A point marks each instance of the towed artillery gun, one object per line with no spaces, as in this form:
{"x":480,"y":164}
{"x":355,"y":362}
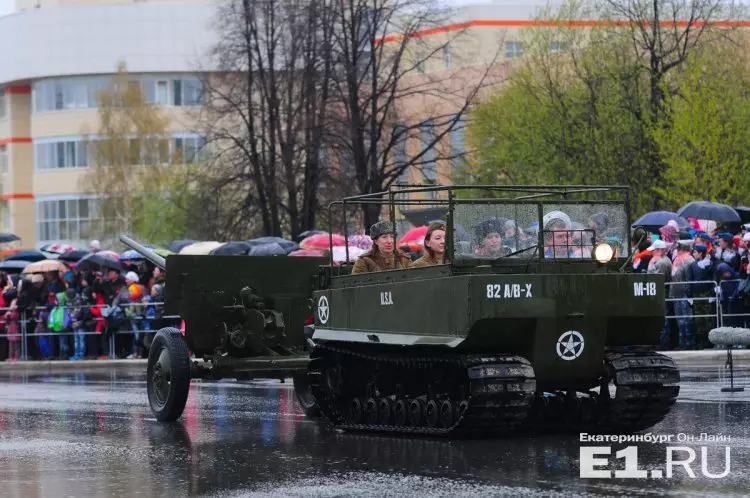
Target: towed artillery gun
{"x":551,"y":332}
{"x":244,"y":318}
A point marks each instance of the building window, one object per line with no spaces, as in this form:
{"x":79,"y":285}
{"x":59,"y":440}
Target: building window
{"x":513,"y":49}
{"x":2,"y":103}
{"x":4,"y":160}
{"x":419,"y":61}
{"x":429,"y":158}
{"x":76,"y":152}
{"x":400,"y":156}
{"x":66,"y":219}
{"x":448,"y":57}
{"x":82,"y":92}
{"x":457,"y":142}
{"x":7,"y":219}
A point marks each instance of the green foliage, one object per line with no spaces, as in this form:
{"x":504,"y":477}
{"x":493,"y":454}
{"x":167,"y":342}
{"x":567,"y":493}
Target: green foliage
{"x":706,"y":143}
{"x":141,"y":190}
{"x":586,"y":116}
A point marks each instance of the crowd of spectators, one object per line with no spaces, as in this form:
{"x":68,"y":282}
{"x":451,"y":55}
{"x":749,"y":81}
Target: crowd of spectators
{"x":707,"y":275}
{"x":76,"y":314}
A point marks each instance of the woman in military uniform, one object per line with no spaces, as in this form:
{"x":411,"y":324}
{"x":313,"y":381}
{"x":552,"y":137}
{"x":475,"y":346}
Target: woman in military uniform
{"x":434,"y":246}
{"x":383,"y":253}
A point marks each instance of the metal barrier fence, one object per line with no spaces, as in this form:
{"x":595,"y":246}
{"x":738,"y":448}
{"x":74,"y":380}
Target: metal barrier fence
{"x":134,"y":324}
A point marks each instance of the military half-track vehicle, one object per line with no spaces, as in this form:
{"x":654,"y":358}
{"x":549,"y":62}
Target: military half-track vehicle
{"x":537,"y":321}
{"x":245,"y":318}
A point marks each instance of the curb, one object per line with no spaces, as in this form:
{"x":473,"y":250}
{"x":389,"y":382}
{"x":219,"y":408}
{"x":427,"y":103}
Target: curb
{"x":73,"y":366}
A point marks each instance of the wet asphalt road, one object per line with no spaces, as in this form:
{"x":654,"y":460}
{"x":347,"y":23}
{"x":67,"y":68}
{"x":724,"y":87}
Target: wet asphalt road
{"x":92,"y":435}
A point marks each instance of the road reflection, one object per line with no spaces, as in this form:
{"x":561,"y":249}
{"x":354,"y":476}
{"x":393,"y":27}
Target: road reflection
{"x":80,"y":434}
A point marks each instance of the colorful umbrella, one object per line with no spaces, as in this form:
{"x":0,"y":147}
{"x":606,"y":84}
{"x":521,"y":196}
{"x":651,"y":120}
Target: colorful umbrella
{"x":339,"y":253}
{"x":361,"y":241}
{"x":57,"y":248}
{"x":45,"y":265}
{"x":415,"y":235}
{"x":654,"y":220}
{"x":322,"y":241}
{"x":163,"y":252}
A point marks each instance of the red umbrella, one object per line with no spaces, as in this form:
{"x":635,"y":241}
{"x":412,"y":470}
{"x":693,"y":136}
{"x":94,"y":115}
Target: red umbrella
{"x":415,"y":235}
{"x":306,"y":252}
{"x":322,"y":241}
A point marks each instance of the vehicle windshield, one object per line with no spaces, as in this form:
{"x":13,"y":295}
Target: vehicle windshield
{"x":569,"y":230}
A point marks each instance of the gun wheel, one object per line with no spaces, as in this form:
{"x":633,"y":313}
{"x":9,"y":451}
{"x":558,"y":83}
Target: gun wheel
{"x":168,"y":375}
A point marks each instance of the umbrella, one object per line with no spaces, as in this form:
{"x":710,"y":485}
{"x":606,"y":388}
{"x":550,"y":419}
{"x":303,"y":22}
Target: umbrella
{"x":98,"y":260}
{"x":73,"y":256}
{"x":27,"y":256}
{"x":45,"y":265}
{"x":8,"y":237}
{"x":744,"y":213}
{"x":9,"y":252}
{"x":714,"y":211}
{"x":14,"y":266}
{"x":272,"y":249}
{"x":309,"y":233}
{"x":176,"y":245}
{"x":200,"y":248}
{"x":130,"y":255}
{"x":163,"y":252}
{"x":361,"y":241}
{"x":656,"y":219}
{"x":57,"y":248}
{"x":109,"y":254}
{"x":288,"y":245}
{"x":339,"y":253}
{"x":307,"y":252}
{"x":232,"y":249}
{"x":322,"y":241}
{"x":416,"y":234}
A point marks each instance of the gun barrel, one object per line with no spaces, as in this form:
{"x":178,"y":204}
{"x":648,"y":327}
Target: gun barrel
{"x":147,"y":253}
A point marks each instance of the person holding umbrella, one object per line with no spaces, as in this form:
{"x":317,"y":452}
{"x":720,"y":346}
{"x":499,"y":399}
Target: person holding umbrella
{"x":383,"y":255}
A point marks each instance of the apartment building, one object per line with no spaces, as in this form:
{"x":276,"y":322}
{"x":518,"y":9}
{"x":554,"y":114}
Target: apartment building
{"x":56,"y":55}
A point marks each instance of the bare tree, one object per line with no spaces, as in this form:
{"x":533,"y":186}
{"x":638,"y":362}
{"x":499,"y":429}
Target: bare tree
{"x":382,"y":95}
{"x":265,"y":111}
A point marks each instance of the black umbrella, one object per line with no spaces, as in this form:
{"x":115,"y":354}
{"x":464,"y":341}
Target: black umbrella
{"x":96,"y":260}
{"x":8,"y":237}
{"x":654,"y":220}
{"x":176,"y":245}
{"x":32,"y":256}
{"x":744,"y":213}
{"x":232,"y":249}
{"x":14,"y":266}
{"x":73,"y":256}
{"x":715,"y":211}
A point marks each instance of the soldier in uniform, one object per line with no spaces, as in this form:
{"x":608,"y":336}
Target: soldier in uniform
{"x":434,"y":246}
{"x":383,"y":253}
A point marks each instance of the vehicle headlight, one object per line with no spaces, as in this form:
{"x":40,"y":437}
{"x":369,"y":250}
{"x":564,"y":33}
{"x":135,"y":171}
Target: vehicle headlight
{"x":603,"y":253}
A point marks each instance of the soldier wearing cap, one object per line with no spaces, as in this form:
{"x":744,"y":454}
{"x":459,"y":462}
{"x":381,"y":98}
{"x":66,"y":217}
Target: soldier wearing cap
{"x":660,"y":264}
{"x":726,"y":251}
{"x":681,"y":293}
{"x":383,"y":253}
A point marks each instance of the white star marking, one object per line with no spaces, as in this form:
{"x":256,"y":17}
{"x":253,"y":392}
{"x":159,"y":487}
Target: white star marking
{"x":323,"y":309}
{"x":570,"y":345}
